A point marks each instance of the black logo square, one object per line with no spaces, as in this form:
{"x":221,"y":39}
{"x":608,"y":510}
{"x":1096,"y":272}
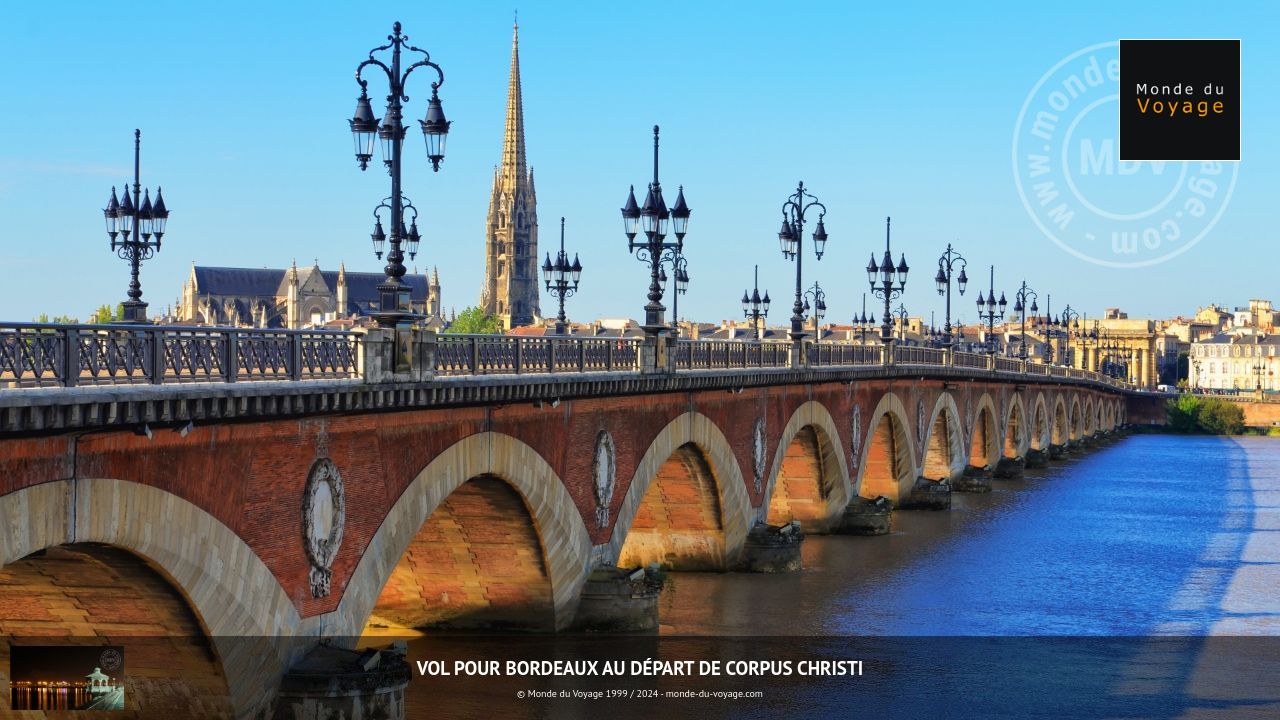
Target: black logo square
{"x":1179,"y":99}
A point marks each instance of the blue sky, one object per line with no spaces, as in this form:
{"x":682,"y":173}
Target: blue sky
{"x":903,"y":109}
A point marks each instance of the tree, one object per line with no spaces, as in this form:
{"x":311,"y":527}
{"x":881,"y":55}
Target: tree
{"x":474,"y":321}
{"x":106,"y":314}
{"x":1221,"y":417}
{"x":44,"y":318}
{"x":1184,"y":413}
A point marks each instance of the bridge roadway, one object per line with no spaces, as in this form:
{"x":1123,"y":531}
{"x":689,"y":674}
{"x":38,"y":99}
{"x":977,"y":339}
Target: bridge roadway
{"x":285,"y":486}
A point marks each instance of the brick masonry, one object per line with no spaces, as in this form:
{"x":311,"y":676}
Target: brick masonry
{"x":248,"y":477}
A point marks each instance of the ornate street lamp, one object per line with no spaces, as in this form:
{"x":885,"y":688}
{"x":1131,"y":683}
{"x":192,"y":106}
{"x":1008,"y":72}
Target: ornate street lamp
{"x":139,"y":224}
{"x":887,"y":282}
{"x":901,"y":316}
{"x":987,"y":311}
{"x":1069,"y":321}
{"x":819,"y":308}
{"x":652,"y":219}
{"x":393,"y":294}
{"x":754,"y":307}
{"x":561,"y":278}
{"x":862,"y":323}
{"x":790,"y":240}
{"x":946,"y":264}
{"x":1021,"y":299}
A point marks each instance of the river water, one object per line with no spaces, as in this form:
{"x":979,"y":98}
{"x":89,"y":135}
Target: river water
{"x":1117,"y":583}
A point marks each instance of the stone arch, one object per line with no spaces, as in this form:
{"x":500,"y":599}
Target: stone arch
{"x":231,"y":592}
{"x":1040,"y":437}
{"x":944,"y":450}
{"x":1090,"y":417}
{"x":1076,"y":419}
{"x":1015,"y":431}
{"x":887,"y":465}
{"x":810,"y":479}
{"x":690,"y":449}
{"x":984,"y":448}
{"x":1060,"y":431}
{"x":560,"y":530}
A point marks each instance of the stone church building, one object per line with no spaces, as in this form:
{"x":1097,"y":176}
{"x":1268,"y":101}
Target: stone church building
{"x":295,"y":297}
{"x":512,"y":286}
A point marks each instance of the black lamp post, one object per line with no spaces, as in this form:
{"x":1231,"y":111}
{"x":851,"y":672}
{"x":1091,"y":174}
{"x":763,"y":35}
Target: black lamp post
{"x":946,"y":264}
{"x":754,"y":307}
{"x":562,"y":278}
{"x":887,"y":282}
{"x":819,"y":307}
{"x":1070,"y":324}
{"x":680,"y":270}
{"x":988,"y":313}
{"x":652,"y":219}
{"x":901,"y":315}
{"x":139,"y":224}
{"x":1021,"y":299}
{"x":789,"y":239}
{"x":393,"y":294}
{"x":862,"y":322}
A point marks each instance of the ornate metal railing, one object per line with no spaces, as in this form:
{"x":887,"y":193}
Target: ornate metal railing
{"x":833,"y":354}
{"x":45,"y":355}
{"x":912,"y":355}
{"x":51,"y":355}
{"x":498,"y":354}
{"x":730,"y":354}
{"x":1005,"y":364}
{"x":970,"y":360}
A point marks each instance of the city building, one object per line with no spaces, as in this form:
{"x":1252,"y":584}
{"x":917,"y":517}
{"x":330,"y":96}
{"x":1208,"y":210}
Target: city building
{"x":511,"y":282}
{"x":1240,"y":360}
{"x":294,"y":297}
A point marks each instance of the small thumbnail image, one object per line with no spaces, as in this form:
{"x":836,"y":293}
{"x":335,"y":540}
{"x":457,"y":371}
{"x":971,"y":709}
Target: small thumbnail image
{"x":66,"y":677}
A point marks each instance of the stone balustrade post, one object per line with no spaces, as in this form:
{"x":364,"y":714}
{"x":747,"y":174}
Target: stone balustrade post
{"x":397,"y":355}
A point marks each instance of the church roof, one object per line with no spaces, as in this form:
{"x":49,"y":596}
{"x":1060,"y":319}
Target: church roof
{"x":242,"y":282}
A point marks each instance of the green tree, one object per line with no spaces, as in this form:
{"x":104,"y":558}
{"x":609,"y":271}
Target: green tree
{"x":1221,"y":417}
{"x":56,"y":319}
{"x":105,"y":314}
{"x":1184,"y":413}
{"x":473,"y":321}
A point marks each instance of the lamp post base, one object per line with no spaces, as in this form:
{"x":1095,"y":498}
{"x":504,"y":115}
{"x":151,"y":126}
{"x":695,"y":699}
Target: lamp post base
{"x":133,"y":311}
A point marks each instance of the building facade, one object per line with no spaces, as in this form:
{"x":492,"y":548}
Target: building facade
{"x":294,"y":297}
{"x":511,"y":289}
{"x":1235,"y":361}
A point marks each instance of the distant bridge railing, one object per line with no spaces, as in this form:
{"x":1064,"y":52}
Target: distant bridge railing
{"x":54,"y":355}
{"x":43,"y":355}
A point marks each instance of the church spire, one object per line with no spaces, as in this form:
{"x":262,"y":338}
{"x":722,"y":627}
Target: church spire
{"x":513,"y":159}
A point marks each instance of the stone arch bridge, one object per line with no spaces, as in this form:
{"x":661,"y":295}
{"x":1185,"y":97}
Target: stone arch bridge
{"x":268,"y":514}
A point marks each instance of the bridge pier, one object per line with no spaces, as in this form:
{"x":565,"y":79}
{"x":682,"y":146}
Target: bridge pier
{"x":619,"y":600}
{"x":772,"y":549}
{"x":929,"y":495}
{"x":1057,"y":452}
{"x":866,"y":517}
{"x":974,"y":480}
{"x":1037,"y":459}
{"x":1011,"y":468}
{"x":336,"y":682}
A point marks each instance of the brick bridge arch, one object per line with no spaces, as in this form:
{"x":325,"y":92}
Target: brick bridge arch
{"x":1061,"y":430}
{"x":1075,"y":419}
{"x":984,"y":448}
{"x":1016,"y":434}
{"x":560,"y":533}
{"x":1040,"y":434}
{"x":943,"y":445}
{"x":238,"y":602}
{"x":810,"y":479}
{"x":887,"y":466}
{"x":688,"y":469}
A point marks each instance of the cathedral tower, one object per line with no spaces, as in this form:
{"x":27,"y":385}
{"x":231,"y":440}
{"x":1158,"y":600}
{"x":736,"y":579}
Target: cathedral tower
{"x":511,"y":287}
